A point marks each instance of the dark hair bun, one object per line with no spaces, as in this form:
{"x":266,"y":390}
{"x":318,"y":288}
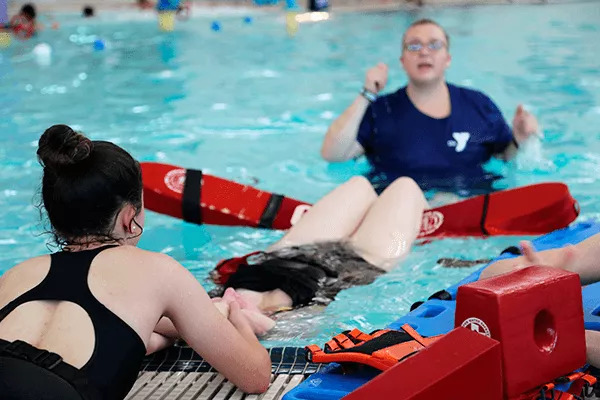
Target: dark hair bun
{"x":61,"y":146}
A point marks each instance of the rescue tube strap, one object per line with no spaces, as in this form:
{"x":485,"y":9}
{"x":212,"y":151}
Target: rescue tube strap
{"x":270,"y":212}
{"x":484,"y":212}
{"x":192,"y":191}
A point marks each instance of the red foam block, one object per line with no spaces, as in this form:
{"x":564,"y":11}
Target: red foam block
{"x":536,"y":314}
{"x":460,"y":365}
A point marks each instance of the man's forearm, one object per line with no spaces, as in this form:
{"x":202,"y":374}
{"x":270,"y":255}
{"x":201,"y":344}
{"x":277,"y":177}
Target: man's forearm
{"x":340,"y":141}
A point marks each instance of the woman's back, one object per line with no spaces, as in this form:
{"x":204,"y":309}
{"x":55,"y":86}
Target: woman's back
{"x":98,"y":322}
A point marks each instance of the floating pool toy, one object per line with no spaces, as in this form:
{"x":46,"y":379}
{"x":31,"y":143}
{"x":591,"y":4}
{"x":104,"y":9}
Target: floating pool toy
{"x":99,"y":45}
{"x":166,"y":21}
{"x":247,"y":20}
{"x":167,"y":10}
{"x":43,"y":54}
{"x":5,"y":39}
{"x":291,"y":23}
{"x":215,"y":26}
{"x":167,"y":5}
{"x":179,"y":192}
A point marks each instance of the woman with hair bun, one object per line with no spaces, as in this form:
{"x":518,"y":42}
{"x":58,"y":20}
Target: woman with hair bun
{"x":75,"y":324}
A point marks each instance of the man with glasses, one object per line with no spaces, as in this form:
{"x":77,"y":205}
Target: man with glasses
{"x":437,"y":133}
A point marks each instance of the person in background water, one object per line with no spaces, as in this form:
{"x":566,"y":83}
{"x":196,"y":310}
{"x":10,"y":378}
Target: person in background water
{"x":77,"y":323}
{"x":145,"y":5}
{"x":182,"y":10}
{"x":24,"y":24}
{"x":88,"y":12}
{"x":435,"y":132}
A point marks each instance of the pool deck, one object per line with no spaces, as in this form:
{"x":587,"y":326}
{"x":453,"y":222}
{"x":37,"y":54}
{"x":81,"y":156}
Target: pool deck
{"x":211,"y":5}
{"x":204,"y":386}
{"x":180,"y":373}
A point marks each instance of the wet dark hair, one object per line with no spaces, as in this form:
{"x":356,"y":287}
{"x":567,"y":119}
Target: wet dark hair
{"x":427,"y":21}
{"x":88,"y":11}
{"x":85,"y":185}
{"x":28,"y":10}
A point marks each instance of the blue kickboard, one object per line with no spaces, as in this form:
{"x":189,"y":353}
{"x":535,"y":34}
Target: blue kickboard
{"x":435,"y":317}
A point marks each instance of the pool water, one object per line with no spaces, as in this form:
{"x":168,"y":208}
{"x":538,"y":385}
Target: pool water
{"x":250,"y":103}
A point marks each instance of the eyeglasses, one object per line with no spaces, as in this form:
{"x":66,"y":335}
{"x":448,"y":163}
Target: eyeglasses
{"x":434,"y":45}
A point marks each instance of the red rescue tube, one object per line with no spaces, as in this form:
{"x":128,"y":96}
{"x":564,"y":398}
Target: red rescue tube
{"x":205,"y":199}
{"x":529,"y":210}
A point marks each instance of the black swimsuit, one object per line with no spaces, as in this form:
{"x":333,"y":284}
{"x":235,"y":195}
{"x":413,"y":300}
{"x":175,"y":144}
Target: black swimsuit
{"x":28,"y":373}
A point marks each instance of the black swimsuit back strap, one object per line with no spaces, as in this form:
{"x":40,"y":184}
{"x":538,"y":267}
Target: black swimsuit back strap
{"x":63,"y":281}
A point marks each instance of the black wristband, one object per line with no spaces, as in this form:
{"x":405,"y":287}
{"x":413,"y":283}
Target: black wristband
{"x":367,"y":94}
{"x":515,"y":142}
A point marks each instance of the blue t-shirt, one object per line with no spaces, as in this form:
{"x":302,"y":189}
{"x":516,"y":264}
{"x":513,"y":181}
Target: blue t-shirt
{"x":442,"y":154}
{"x":167,"y":5}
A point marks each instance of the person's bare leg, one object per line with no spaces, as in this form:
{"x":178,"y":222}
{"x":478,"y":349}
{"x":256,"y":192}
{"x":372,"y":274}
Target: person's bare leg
{"x":391,"y":225}
{"x":335,"y":217}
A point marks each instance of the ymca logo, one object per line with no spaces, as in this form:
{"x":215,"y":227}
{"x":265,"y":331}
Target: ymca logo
{"x":175,"y":180}
{"x":431,"y":222}
{"x":476,"y":325}
{"x":460,"y":141}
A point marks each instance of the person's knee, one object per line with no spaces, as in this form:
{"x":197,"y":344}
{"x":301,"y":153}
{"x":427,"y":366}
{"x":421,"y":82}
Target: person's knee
{"x":360,"y":184}
{"x":405,"y":183}
{"x":407,"y":187}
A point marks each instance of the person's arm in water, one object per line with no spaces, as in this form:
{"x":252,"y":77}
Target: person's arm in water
{"x":340,"y":142}
{"x":227,"y":343}
{"x":582,"y":258}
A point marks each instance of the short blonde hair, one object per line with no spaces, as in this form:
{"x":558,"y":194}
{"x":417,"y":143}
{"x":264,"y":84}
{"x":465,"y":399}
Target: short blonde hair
{"x":427,"y":21}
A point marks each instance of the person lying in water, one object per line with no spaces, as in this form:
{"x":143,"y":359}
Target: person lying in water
{"x":581,"y":258}
{"x":101,"y":304}
{"x":348,"y":238}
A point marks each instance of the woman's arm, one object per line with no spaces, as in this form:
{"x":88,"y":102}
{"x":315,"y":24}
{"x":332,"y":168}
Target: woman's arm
{"x":229,"y":345}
